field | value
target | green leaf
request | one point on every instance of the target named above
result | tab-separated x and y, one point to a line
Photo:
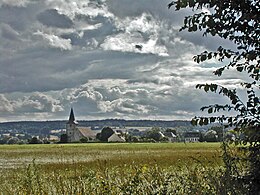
191	3
206	121
203	58
212	119
240	68
194	28
201	122
206	88
194	122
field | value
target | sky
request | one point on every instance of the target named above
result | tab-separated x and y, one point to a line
105	58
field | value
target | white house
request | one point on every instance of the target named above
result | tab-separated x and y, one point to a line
192	137
171	136
116	138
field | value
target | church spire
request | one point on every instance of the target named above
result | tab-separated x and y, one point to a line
72	118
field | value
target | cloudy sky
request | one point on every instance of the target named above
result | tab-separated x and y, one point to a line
105	58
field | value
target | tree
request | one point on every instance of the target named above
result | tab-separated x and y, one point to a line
63	138
13	140
238	21
84	140
171	130
219	131
35	140
4	140
211	136
154	134
106	132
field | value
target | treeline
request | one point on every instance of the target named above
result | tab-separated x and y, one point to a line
44	127
135	123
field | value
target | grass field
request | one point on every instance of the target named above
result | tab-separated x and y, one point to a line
100	168
164	154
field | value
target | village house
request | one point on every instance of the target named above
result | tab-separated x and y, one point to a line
191	137
116	137
170	136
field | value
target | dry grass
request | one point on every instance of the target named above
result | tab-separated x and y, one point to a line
154	168
164	154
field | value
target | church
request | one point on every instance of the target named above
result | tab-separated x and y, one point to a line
75	133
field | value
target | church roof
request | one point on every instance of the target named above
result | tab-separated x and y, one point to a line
87	132
72	118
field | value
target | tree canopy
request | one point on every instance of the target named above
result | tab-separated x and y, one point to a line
106	132
239	22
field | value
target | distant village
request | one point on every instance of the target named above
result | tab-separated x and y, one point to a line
73	132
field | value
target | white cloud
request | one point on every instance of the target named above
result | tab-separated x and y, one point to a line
5	104
138	35
41	102
80	7
34	103
55	41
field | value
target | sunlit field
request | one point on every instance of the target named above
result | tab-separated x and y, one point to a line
163	154
128	168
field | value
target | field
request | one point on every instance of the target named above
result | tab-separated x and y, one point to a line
143	168
163	154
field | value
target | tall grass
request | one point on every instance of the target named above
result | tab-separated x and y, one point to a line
124	179
115	169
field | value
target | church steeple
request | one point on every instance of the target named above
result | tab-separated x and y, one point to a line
72	118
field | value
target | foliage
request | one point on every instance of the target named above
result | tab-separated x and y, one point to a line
44	127
13	140
35	140
84	140
4	140
171	130
106	132
210	136
63	138
155	134
239	22
219	131
134	179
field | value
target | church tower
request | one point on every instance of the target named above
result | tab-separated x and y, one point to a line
71	127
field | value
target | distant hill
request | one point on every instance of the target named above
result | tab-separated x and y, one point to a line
44	127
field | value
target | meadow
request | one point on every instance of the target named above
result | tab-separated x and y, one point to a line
120	168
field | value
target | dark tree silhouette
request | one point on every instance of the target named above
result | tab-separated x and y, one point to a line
105	134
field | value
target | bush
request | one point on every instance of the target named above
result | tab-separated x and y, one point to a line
35	140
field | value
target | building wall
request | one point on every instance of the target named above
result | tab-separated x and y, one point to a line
73	133
192	139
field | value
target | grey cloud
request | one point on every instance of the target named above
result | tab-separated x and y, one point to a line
34	103
52	18
17	3
143	31
23	18
83	54
37	102
8	32
124	8
175	19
